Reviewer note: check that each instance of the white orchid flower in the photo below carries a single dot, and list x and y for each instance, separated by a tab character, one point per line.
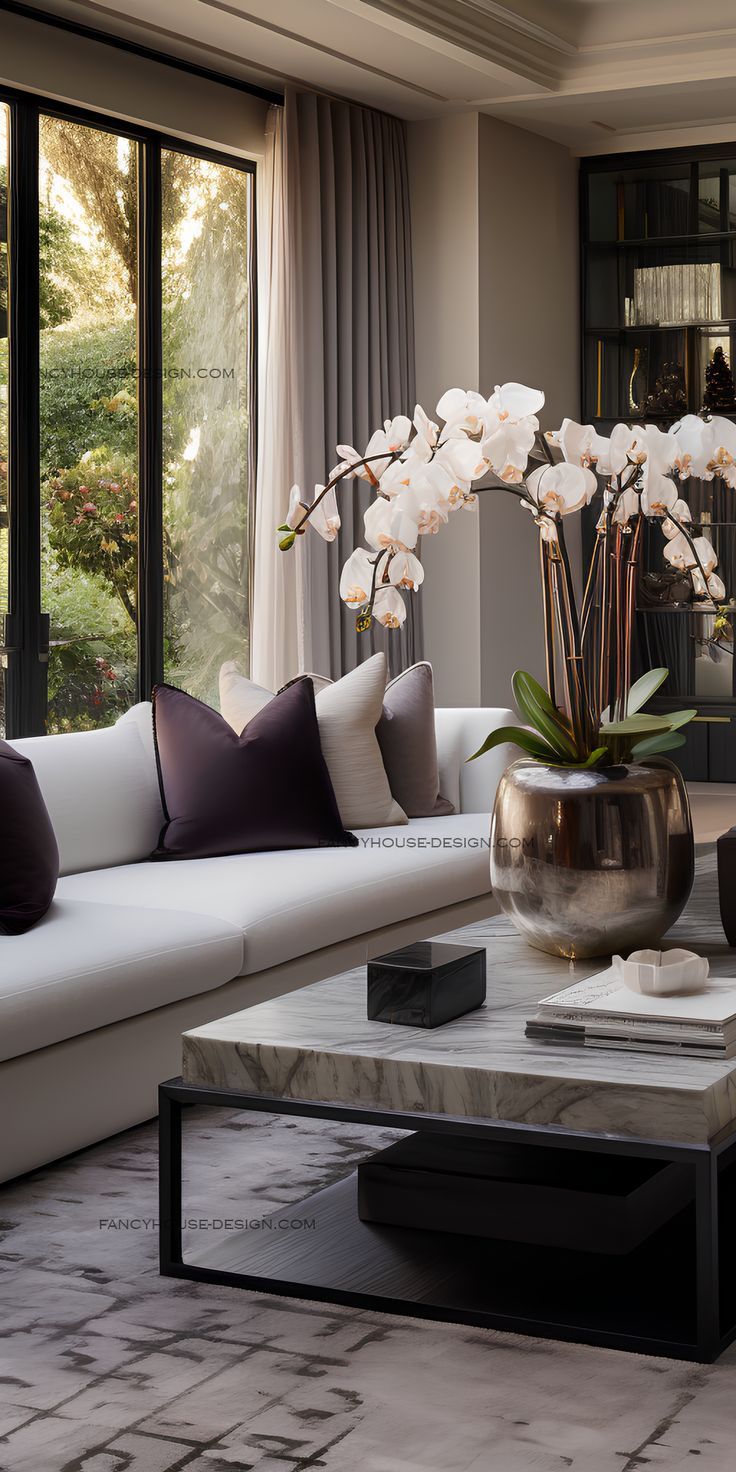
464	412
561	488
682	511
405	571
720	443
706	554
356	578
515	401
689	434
297	508
427	504
389	608
506	450
659	495
385	442
397	432
390	525
547	527
679	553
657	450
426	429
622	450
716	588
350	457
441	491
326	518
582	445
463	458
627	505
344	471
383	445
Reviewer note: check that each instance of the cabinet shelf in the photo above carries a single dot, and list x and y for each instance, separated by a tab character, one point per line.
659	242
710	325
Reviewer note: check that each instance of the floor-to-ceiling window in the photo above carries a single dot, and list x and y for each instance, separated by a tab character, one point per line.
124	552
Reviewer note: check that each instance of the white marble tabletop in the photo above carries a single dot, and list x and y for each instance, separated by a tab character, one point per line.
317	1044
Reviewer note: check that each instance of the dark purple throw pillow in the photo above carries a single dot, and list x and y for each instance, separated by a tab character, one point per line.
29	854
268	788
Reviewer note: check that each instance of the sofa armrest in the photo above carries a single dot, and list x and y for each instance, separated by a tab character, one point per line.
471	786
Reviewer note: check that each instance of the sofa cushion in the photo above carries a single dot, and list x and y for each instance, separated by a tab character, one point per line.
408	743
89	964
29	854
101	790
223	793
348	712
290	903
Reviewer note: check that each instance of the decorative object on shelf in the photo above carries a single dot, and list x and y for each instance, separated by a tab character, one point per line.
573	827
662	973
426	984
665	590
639	357
719	396
697	291
668	396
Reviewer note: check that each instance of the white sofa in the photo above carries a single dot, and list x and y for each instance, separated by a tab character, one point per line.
94	999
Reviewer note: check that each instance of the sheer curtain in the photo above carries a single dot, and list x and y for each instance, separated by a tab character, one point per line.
337	357
277	594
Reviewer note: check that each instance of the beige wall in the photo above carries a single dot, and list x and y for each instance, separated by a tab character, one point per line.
69	68
443	170
495	232
529	333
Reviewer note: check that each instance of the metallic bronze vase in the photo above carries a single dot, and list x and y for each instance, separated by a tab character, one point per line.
590	863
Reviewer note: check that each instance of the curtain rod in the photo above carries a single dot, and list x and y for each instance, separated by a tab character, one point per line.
137	48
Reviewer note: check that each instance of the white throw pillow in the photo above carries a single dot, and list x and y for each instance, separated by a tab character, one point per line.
348	712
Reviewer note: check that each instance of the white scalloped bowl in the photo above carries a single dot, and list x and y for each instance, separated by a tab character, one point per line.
662	973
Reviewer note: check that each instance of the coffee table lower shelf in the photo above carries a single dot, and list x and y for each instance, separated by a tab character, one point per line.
665	1297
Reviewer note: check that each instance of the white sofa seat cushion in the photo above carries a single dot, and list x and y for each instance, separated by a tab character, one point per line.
89	964
293	902
101	790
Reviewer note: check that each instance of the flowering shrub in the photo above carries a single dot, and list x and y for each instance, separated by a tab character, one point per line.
93	522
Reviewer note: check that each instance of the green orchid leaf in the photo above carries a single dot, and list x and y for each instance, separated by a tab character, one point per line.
287	542
595	757
679	718
518	736
284	527
638	725
534	703
643	689
653	745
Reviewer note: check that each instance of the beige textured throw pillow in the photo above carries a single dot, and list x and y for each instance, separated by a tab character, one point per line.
348	712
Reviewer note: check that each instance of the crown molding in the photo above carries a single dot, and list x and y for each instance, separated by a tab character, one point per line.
478	39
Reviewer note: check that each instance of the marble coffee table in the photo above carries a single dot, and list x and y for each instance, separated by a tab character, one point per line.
542	1189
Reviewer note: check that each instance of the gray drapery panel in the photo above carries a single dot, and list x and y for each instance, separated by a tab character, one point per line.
353	245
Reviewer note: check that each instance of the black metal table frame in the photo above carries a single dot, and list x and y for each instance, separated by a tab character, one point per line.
704	1159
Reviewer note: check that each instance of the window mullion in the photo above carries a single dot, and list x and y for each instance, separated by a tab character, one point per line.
28	628
150	409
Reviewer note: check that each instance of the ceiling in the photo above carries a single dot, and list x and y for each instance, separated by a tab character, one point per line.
596	75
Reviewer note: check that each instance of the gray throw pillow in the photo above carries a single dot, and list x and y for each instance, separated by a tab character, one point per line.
406	736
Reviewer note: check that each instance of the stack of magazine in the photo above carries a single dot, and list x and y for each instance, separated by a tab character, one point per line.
601	1013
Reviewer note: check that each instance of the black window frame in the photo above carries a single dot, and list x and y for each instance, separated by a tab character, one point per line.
26	637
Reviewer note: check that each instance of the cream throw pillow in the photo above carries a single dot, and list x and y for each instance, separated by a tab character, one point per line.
348	712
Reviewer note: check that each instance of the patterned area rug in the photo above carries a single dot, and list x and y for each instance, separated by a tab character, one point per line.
106	1367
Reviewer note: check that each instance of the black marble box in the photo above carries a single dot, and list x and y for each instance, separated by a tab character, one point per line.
426	984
